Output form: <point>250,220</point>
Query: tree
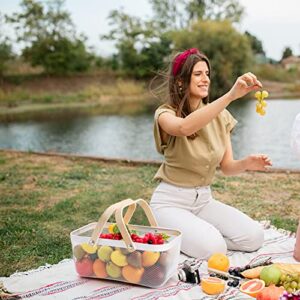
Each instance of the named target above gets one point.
<point>256,44</point>
<point>141,48</point>
<point>49,37</point>
<point>287,52</point>
<point>5,49</point>
<point>228,50</point>
<point>179,14</point>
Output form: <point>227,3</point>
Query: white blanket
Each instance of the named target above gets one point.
<point>62,282</point>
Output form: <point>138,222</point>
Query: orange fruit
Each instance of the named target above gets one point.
<point>212,285</point>
<point>252,287</point>
<point>149,258</point>
<point>99,268</point>
<point>132,274</point>
<point>252,273</point>
<point>218,261</point>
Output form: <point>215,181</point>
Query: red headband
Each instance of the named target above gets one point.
<point>181,58</point>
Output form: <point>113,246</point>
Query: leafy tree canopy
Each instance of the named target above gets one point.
<point>5,48</point>
<point>228,50</point>
<point>49,37</point>
<point>287,52</point>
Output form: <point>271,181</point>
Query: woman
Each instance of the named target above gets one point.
<point>194,137</point>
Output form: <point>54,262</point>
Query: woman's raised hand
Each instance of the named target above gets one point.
<point>243,85</point>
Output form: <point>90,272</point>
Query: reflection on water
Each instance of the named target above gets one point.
<point>132,136</point>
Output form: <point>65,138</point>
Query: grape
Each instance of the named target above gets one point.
<point>261,103</point>
<point>293,284</point>
<point>264,94</point>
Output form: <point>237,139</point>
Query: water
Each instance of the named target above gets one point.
<point>132,136</point>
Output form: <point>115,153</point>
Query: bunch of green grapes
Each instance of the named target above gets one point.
<point>261,104</point>
<point>290,282</point>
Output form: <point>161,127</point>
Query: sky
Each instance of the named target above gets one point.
<point>276,23</point>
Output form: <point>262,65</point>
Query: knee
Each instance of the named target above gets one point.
<point>203,248</point>
<point>255,238</point>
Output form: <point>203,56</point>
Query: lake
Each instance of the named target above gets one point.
<point>131,136</point>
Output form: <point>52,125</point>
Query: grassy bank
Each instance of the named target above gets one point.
<point>43,198</point>
<point>35,96</point>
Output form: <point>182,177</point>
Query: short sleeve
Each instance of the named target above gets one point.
<point>295,136</point>
<point>229,121</point>
<point>160,146</point>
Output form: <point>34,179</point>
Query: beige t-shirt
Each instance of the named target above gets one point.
<point>192,162</point>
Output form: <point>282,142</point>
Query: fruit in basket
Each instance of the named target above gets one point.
<point>125,251</point>
<point>270,274</point>
<point>118,258</point>
<point>212,285</point>
<point>149,258</point>
<point>164,258</point>
<point>218,261</point>
<point>135,259</point>
<point>99,268</point>
<point>154,276</point>
<point>78,252</point>
<point>89,249</point>
<point>132,274</point>
<point>252,287</point>
<point>84,267</point>
<point>113,270</point>
<point>104,253</point>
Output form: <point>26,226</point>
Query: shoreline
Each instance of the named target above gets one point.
<point>129,162</point>
<point>114,106</point>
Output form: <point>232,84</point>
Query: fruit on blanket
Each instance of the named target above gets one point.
<point>90,249</point>
<point>104,253</point>
<point>285,268</point>
<point>271,292</point>
<point>84,267</point>
<point>113,270</point>
<point>99,268</point>
<point>270,274</point>
<point>252,273</point>
<point>252,287</point>
<point>289,268</point>
<point>149,258</point>
<point>118,258</point>
<point>212,285</point>
<point>78,252</point>
<point>291,282</point>
<point>218,261</point>
<point>131,274</point>
<point>154,276</point>
<point>135,259</point>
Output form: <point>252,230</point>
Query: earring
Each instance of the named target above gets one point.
<point>180,89</point>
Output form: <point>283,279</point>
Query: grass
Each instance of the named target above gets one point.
<point>44,198</point>
<point>39,89</point>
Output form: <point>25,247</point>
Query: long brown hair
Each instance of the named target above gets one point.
<point>178,85</point>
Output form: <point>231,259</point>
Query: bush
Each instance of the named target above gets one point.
<point>228,50</point>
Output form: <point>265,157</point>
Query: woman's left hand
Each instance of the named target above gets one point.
<point>258,162</point>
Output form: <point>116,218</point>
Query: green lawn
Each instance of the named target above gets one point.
<point>44,198</point>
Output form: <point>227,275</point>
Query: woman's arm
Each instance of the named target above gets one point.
<point>229,166</point>
<point>177,126</point>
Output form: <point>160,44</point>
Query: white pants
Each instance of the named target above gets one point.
<point>207,225</point>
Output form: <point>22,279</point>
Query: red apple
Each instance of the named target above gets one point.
<point>84,267</point>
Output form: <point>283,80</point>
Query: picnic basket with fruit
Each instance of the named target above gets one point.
<point>143,255</point>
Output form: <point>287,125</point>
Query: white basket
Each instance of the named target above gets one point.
<point>150,265</point>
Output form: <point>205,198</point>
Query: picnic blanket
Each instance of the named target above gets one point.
<point>60,281</point>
